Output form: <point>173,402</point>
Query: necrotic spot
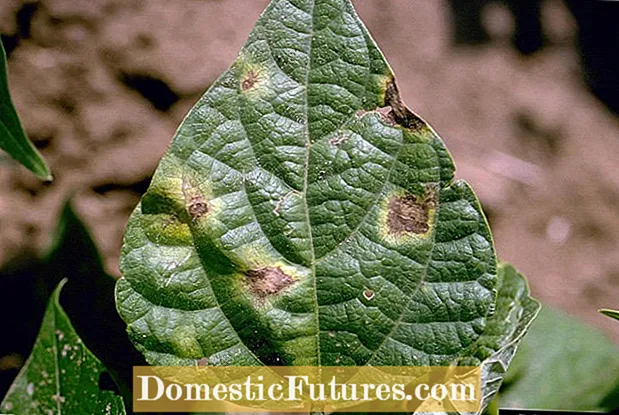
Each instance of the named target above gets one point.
<point>198,207</point>
<point>407,214</point>
<point>249,80</point>
<point>268,281</point>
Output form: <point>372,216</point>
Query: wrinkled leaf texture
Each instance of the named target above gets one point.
<point>304,216</point>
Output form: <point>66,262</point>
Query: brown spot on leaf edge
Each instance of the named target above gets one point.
<point>400,114</point>
<point>408,214</point>
<point>268,281</point>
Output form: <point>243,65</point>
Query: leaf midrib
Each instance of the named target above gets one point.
<point>305,185</point>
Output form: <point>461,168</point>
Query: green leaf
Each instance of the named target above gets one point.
<point>88,298</point>
<point>13,139</point>
<point>610,313</point>
<point>498,344</point>
<point>61,376</point>
<point>563,364</point>
<point>304,216</point>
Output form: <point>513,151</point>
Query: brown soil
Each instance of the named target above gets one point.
<point>539,150</point>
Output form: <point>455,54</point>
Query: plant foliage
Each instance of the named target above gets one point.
<point>61,376</point>
<point>13,139</point>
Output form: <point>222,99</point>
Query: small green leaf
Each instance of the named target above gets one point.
<point>13,139</point>
<point>563,364</point>
<point>61,376</point>
<point>610,313</point>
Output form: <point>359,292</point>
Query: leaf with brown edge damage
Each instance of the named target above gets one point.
<point>329,229</point>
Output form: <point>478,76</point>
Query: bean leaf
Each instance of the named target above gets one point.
<point>61,376</point>
<point>303,215</point>
<point>610,313</point>
<point>13,139</point>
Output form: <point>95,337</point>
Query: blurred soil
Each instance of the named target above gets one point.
<point>102,84</point>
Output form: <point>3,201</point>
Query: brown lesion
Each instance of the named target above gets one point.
<point>394,111</point>
<point>397,112</point>
<point>268,281</point>
<point>197,207</point>
<point>410,214</point>
<point>249,80</point>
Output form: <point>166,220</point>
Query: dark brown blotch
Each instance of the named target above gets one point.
<point>410,214</point>
<point>268,281</point>
<point>398,113</point>
<point>249,80</point>
<point>198,207</point>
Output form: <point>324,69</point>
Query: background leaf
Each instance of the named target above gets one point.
<point>13,139</point>
<point>304,215</point>
<point>563,364</point>
<point>610,313</point>
<point>61,374</point>
<point>87,298</point>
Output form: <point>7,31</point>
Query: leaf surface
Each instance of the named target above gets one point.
<point>13,139</point>
<point>61,376</point>
<point>304,216</point>
<point>496,348</point>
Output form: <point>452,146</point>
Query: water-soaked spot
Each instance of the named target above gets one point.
<point>410,214</point>
<point>197,207</point>
<point>368,294</point>
<point>249,80</point>
<point>268,281</point>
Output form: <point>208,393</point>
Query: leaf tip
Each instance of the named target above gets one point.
<point>610,313</point>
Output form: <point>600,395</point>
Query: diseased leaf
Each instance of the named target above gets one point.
<point>304,216</point>
<point>563,364</point>
<point>495,349</point>
<point>13,139</point>
<point>610,313</point>
<point>61,376</point>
